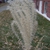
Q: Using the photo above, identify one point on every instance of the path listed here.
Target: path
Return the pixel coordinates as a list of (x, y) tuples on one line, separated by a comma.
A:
[(3, 8)]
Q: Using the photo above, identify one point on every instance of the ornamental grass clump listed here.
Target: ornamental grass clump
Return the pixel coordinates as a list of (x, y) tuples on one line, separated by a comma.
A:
[(24, 15)]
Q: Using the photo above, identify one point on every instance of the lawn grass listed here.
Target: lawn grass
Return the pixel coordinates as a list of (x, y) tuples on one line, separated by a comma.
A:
[(44, 25), (8, 40), (43, 30)]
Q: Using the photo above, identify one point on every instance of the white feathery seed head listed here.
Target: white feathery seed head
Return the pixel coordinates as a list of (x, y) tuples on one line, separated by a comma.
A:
[(24, 15)]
